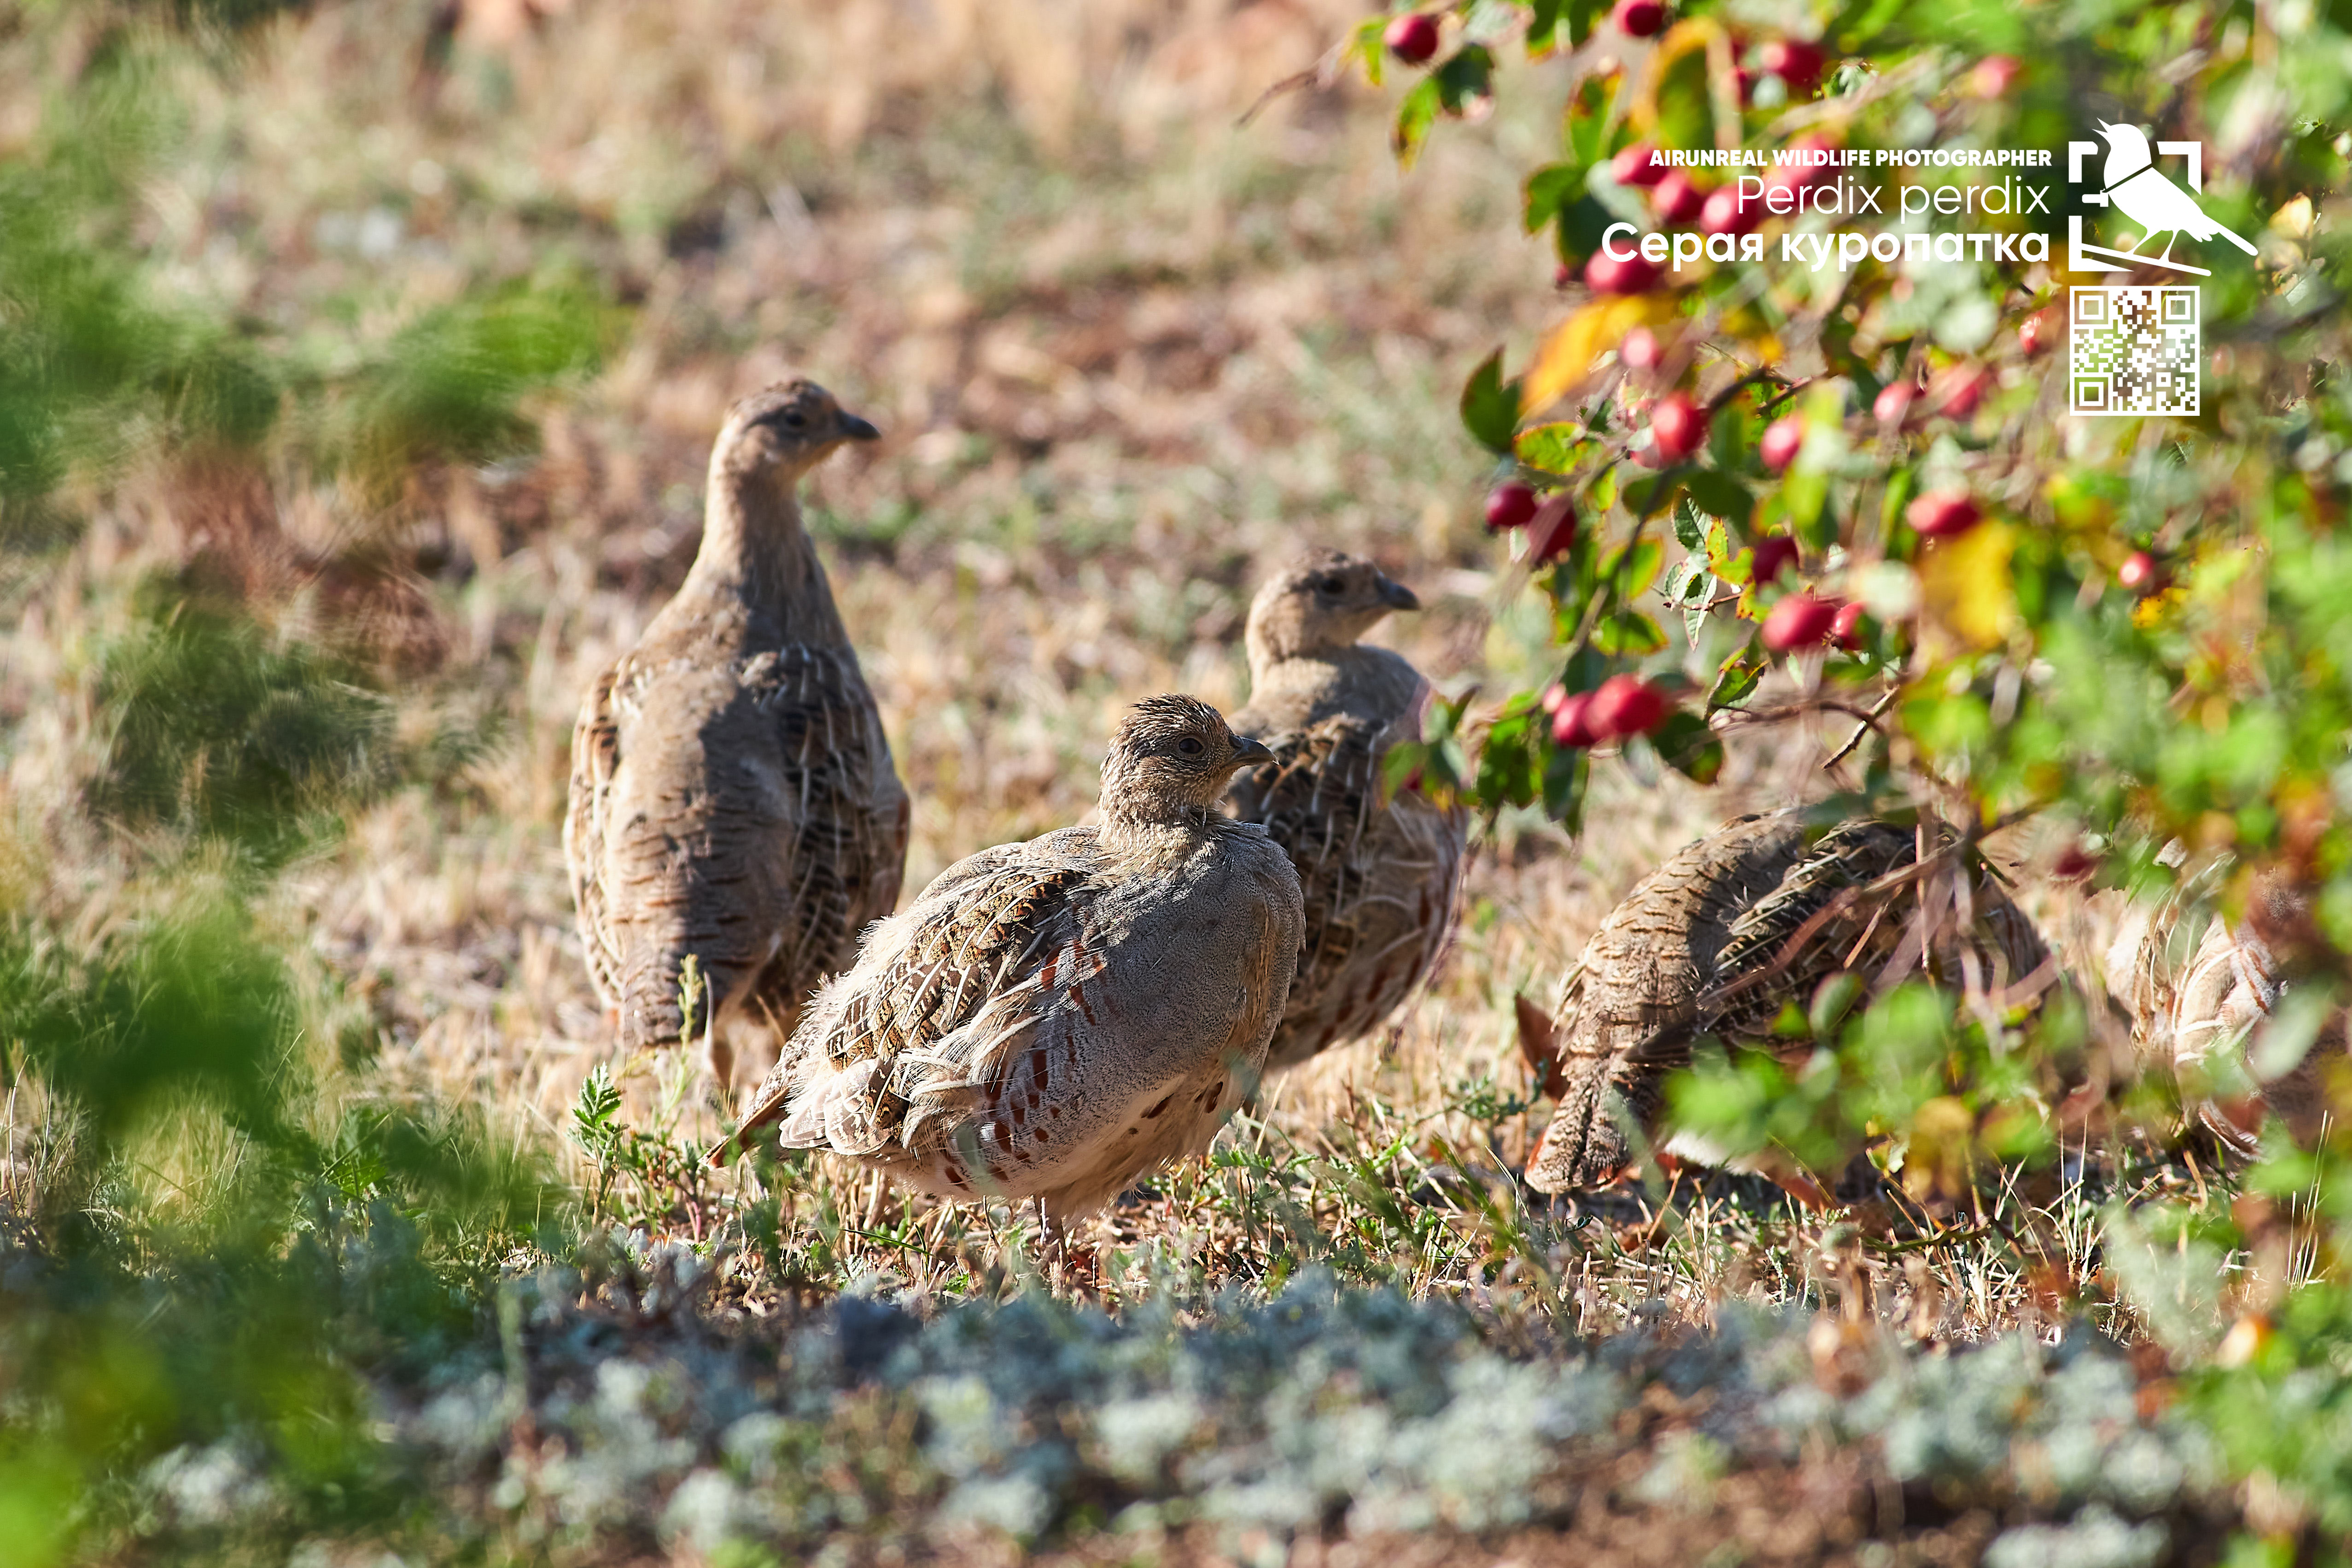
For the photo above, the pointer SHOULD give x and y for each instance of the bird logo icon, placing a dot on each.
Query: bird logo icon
(2132, 184)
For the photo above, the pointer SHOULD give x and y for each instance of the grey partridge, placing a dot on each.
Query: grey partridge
(1380, 876)
(2201, 1002)
(1718, 940)
(735, 819)
(1050, 1019)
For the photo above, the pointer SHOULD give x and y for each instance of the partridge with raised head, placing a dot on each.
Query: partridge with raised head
(735, 819)
(1379, 875)
(1730, 931)
(1050, 1019)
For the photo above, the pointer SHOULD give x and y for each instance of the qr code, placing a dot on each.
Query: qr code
(2134, 350)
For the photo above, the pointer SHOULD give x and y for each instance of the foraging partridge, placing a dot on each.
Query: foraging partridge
(2201, 1001)
(735, 820)
(1379, 877)
(1050, 1019)
(1722, 937)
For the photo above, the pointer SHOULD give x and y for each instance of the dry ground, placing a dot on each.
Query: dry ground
(1127, 356)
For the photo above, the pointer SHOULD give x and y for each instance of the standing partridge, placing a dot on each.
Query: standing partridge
(735, 820)
(1050, 1019)
(1380, 876)
(1724, 934)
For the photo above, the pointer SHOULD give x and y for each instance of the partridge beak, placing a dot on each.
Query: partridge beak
(1397, 596)
(853, 428)
(1248, 753)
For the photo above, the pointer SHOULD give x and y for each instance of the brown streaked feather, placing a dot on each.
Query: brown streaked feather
(1717, 942)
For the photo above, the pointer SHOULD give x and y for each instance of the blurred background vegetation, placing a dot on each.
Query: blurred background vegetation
(357, 367)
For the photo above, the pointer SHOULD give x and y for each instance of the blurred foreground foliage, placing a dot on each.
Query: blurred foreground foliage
(2136, 629)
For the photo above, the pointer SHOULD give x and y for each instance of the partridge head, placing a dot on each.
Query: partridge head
(784, 432)
(1320, 605)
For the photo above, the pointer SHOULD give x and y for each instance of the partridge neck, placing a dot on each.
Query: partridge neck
(756, 554)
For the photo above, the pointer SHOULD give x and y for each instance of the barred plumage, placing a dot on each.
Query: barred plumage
(1721, 938)
(1050, 1019)
(1380, 878)
(733, 801)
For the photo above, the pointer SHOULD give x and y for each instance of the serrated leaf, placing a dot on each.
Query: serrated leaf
(1416, 115)
(1690, 527)
(1490, 406)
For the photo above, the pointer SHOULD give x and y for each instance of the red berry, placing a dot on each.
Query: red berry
(1846, 630)
(1640, 18)
(1775, 553)
(1993, 75)
(1412, 38)
(1725, 213)
(2075, 862)
(1640, 350)
(2137, 572)
(1676, 200)
(1510, 506)
(1606, 274)
(1746, 81)
(2034, 335)
(1623, 705)
(1794, 61)
(1571, 719)
(1941, 514)
(1957, 390)
(1782, 438)
(1562, 276)
(1631, 166)
(1677, 428)
(1553, 696)
(1893, 401)
(1799, 621)
(1553, 534)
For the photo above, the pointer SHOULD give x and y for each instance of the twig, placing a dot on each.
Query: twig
(1868, 723)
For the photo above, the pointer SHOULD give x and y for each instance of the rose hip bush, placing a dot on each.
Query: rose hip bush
(2136, 629)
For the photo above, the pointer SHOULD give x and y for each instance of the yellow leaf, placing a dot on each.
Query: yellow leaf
(1568, 351)
(1965, 593)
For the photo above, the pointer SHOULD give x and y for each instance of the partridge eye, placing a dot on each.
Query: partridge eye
(792, 417)
(1188, 747)
(1331, 585)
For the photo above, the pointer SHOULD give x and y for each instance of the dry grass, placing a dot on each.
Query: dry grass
(1126, 356)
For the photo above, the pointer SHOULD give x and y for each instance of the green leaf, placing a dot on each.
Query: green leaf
(1547, 189)
(1465, 79)
(1581, 223)
(1721, 493)
(1510, 762)
(1632, 567)
(1416, 115)
(1690, 527)
(1740, 674)
(1688, 746)
(1565, 774)
(1554, 448)
(1542, 24)
(1370, 44)
(1629, 634)
(1490, 406)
